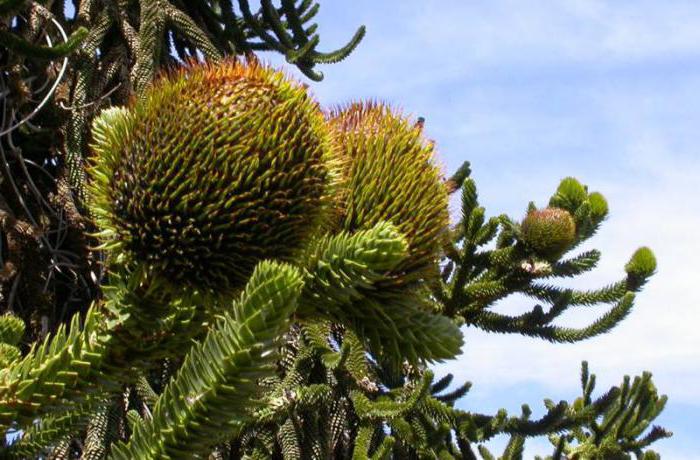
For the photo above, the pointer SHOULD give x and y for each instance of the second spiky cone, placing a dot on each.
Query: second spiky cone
(390, 175)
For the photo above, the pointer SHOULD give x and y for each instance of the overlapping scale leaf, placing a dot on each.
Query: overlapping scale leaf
(11, 329)
(62, 370)
(216, 389)
(344, 281)
(8, 354)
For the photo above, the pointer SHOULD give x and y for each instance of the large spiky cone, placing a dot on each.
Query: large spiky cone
(391, 176)
(216, 168)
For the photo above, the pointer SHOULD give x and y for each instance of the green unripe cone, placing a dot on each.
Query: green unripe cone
(390, 175)
(549, 232)
(214, 169)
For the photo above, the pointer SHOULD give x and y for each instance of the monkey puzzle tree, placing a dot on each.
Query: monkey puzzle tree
(199, 261)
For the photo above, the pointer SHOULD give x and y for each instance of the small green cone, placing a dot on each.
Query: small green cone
(549, 232)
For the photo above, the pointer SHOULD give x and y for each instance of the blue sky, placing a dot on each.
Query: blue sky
(533, 91)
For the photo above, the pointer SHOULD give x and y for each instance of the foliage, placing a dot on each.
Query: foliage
(239, 274)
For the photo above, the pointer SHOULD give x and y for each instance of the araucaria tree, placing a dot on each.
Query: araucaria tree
(200, 261)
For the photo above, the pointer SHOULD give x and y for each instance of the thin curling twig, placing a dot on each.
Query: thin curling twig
(48, 95)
